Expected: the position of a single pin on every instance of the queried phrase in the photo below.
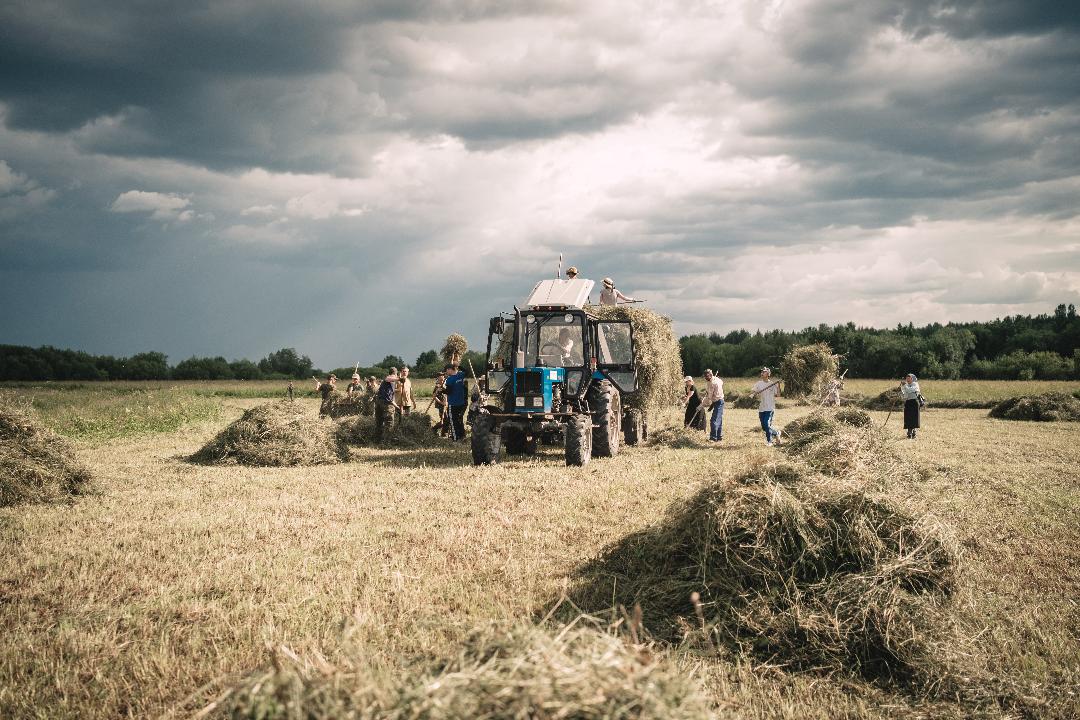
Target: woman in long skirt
(909, 393)
(694, 416)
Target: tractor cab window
(552, 340)
(615, 346)
(502, 347)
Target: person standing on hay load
(912, 397)
(694, 415)
(767, 389)
(457, 398)
(403, 399)
(714, 401)
(384, 405)
(326, 389)
(610, 296)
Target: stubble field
(155, 596)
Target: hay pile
(656, 355)
(679, 437)
(36, 464)
(340, 405)
(802, 562)
(1039, 408)
(275, 434)
(454, 348)
(522, 672)
(888, 400)
(807, 370)
(410, 431)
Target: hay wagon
(557, 374)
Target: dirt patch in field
(275, 434)
(36, 464)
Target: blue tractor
(557, 375)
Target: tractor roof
(559, 294)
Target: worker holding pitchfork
(767, 389)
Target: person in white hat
(610, 296)
(354, 385)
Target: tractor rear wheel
(634, 427)
(515, 441)
(606, 417)
(485, 441)
(579, 439)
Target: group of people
(767, 390)
(698, 407)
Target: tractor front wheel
(607, 414)
(579, 439)
(485, 441)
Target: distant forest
(1022, 347)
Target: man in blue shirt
(457, 397)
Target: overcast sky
(354, 179)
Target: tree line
(21, 363)
(1021, 347)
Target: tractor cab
(550, 362)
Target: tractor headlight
(538, 402)
(520, 402)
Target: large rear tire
(485, 441)
(579, 439)
(633, 427)
(606, 418)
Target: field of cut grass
(154, 597)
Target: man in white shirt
(714, 400)
(767, 389)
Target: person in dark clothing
(694, 416)
(910, 394)
(384, 404)
(457, 397)
(326, 389)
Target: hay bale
(275, 434)
(1049, 407)
(454, 348)
(656, 355)
(807, 370)
(36, 464)
(410, 431)
(520, 672)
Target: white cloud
(160, 206)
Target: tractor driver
(564, 347)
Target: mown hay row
(1049, 407)
(656, 355)
(36, 464)
(521, 672)
(275, 434)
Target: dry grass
(455, 347)
(166, 589)
(36, 464)
(1040, 408)
(807, 370)
(275, 434)
(579, 671)
(414, 430)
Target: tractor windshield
(552, 340)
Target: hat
(765, 369)
(571, 270)
(356, 376)
(609, 282)
(688, 379)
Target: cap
(609, 282)
(356, 376)
(765, 369)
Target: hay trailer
(557, 375)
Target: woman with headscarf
(909, 393)
(694, 416)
